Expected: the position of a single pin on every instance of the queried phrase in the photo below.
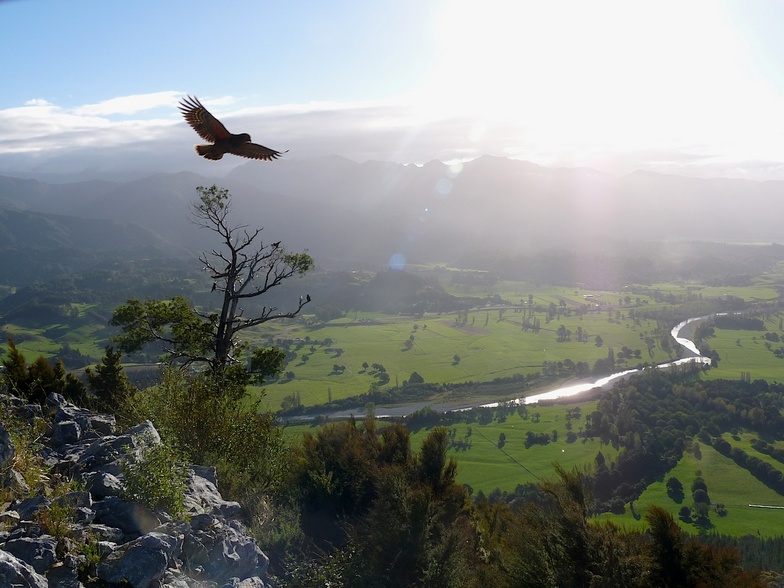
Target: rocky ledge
(90, 536)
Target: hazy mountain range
(349, 214)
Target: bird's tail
(209, 152)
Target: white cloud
(222, 101)
(40, 126)
(129, 104)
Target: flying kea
(222, 141)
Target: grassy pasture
(86, 329)
(727, 483)
(485, 466)
(745, 351)
(47, 340)
(763, 289)
(488, 347)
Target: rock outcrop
(91, 536)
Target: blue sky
(690, 86)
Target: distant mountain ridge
(347, 213)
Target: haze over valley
(478, 214)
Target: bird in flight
(222, 141)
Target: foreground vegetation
(350, 505)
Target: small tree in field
(242, 268)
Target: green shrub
(56, 521)
(214, 424)
(25, 437)
(36, 381)
(157, 479)
(91, 551)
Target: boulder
(130, 517)
(202, 496)
(224, 551)
(76, 499)
(107, 533)
(142, 561)
(38, 552)
(15, 482)
(106, 453)
(29, 506)
(15, 572)
(66, 433)
(7, 450)
(102, 484)
(254, 582)
(63, 577)
(103, 424)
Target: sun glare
(589, 76)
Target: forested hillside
(491, 213)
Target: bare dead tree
(243, 268)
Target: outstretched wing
(207, 126)
(254, 151)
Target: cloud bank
(144, 133)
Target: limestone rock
(142, 561)
(225, 551)
(130, 517)
(15, 572)
(29, 506)
(16, 482)
(254, 582)
(63, 577)
(103, 484)
(38, 552)
(202, 496)
(135, 546)
(7, 450)
(89, 422)
(9, 519)
(107, 533)
(66, 433)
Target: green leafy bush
(157, 478)
(26, 438)
(213, 423)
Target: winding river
(680, 333)
(692, 356)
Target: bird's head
(245, 137)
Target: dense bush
(211, 421)
(156, 478)
(36, 381)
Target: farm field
(488, 343)
(486, 466)
(443, 351)
(84, 331)
(727, 483)
(746, 351)
(763, 290)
